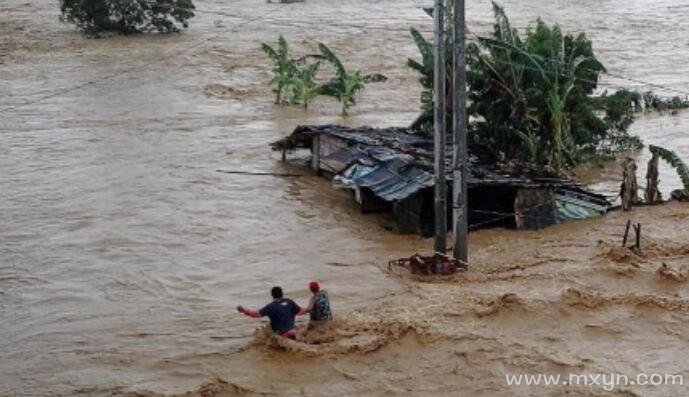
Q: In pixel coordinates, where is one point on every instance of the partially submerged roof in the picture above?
(395, 163)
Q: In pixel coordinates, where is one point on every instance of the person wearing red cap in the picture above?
(319, 305)
(281, 312)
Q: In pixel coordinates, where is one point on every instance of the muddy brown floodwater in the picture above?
(124, 253)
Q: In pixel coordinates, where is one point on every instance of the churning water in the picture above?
(123, 251)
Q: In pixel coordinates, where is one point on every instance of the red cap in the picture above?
(314, 287)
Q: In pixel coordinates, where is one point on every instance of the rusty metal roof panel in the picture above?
(403, 161)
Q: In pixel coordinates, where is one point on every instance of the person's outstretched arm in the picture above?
(249, 312)
(312, 303)
(296, 309)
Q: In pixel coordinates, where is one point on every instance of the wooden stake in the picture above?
(626, 233)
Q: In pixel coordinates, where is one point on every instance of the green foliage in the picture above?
(127, 16)
(425, 68)
(303, 85)
(540, 85)
(346, 84)
(532, 96)
(651, 101)
(295, 82)
(284, 69)
(424, 122)
(671, 158)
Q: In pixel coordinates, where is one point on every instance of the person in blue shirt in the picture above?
(281, 312)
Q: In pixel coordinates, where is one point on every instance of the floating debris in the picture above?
(437, 264)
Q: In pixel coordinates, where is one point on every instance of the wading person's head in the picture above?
(314, 287)
(276, 292)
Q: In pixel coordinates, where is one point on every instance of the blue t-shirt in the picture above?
(281, 313)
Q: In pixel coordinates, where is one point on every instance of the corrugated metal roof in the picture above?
(400, 161)
(395, 180)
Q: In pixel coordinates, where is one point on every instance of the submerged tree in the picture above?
(303, 84)
(346, 84)
(426, 70)
(536, 91)
(294, 79)
(652, 101)
(536, 87)
(127, 16)
(534, 96)
(284, 68)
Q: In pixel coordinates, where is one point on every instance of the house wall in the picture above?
(415, 213)
(327, 146)
(535, 208)
(491, 206)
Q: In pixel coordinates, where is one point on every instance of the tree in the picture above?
(346, 84)
(295, 82)
(303, 84)
(533, 97)
(127, 16)
(535, 92)
(426, 68)
(284, 68)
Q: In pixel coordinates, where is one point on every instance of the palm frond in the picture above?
(331, 88)
(425, 48)
(330, 56)
(283, 48)
(416, 66)
(673, 159)
(270, 51)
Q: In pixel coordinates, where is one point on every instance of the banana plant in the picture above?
(303, 85)
(671, 158)
(346, 84)
(426, 72)
(284, 68)
(530, 145)
(532, 96)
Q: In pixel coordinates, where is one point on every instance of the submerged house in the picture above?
(391, 170)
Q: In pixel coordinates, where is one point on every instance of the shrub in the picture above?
(284, 70)
(127, 16)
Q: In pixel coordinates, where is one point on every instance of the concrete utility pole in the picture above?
(440, 207)
(459, 134)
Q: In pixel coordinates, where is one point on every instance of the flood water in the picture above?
(124, 252)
